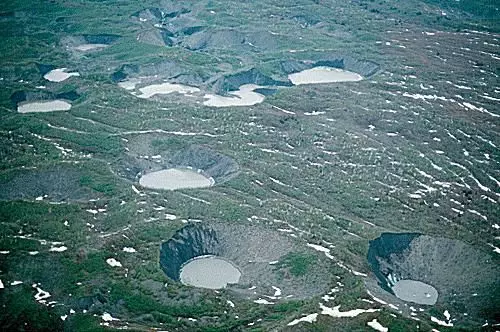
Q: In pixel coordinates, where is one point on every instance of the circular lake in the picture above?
(415, 291)
(209, 272)
(175, 178)
(318, 75)
(44, 106)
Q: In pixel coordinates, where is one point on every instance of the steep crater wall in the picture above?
(189, 242)
(259, 254)
(155, 72)
(232, 82)
(212, 163)
(19, 97)
(465, 278)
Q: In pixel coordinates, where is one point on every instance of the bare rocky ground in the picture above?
(259, 254)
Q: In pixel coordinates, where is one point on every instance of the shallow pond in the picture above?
(318, 75)
(209, 272)
(175, 178)
(165, 88)
(245, 96)
(43, 106)
(59, 75)
(415, 291)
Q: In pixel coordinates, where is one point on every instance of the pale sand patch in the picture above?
(175, 178)
(44, 106)
(209, 272)
(245, 96)
(318, 75)
(89, 47)
(59, 75)
(165, 88)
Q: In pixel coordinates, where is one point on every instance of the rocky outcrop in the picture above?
(189, 242)
(189, 29)
(294, 66)
(231, 39)
(166, 25)
(214, 39)
(154, 72)
(168, 9)
(381, 250)
(232, 82)
(215, 165)
(44, 69)
(220, 167)
(158, 37)
(22, 96)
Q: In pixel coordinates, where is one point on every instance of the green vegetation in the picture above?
(296, 263)
(25, 314)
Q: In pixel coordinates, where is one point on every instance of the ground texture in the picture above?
(318, 170)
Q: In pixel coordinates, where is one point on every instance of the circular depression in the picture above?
(428, 270)
(175, 178)
(251, 260)
(152, 163)
(209, 272)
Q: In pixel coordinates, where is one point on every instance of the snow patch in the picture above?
(335, 311)
(446, 323)
(58, 249)
(41, 295)
(374, 324)
(107, 317)
(113, 262)
(170, 216)
(309, 319)
(277, 291)
(262, 301)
